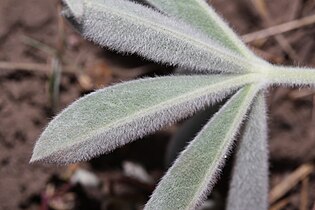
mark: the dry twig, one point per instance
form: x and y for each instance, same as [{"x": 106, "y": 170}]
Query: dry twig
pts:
[
  {"x": 25, "y": 66},
  {"x": 280, "y": 205},
  {"x": 261, "y": 7},
  {"x": 289, "y": 182},
  {"x": 278, "y": 29},
  {"x": 304, "y": 193}
]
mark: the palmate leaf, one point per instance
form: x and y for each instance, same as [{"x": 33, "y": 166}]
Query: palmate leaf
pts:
[
  {"x": 194, "y": 172},
  {"x": 200, "y": 15},
  {"x": 130, "y": 27},
  {"x": 114, "y": 116},
  {"x": 187, "y": 34},
  {"x": 249, "y": 185}
]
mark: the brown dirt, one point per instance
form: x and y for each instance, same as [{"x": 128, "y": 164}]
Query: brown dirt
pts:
[{"x": 25, "y": 108}]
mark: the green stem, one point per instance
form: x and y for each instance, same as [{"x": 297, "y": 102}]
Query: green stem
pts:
[{"x": 291, "y": 76}]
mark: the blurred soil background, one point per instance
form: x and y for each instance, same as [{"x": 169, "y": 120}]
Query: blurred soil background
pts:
[{"x": 36, "y": 45}]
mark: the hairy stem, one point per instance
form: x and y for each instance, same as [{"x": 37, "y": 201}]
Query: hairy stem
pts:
[{"x": 291, "y": 76}]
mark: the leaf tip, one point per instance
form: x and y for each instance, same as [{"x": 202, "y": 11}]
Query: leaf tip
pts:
[
  {"x": 36, "y": 156},
  {"x": 43, "y": 154}
]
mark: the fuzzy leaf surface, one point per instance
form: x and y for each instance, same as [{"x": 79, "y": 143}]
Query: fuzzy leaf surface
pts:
[
  {"x": 76, "y": 7},
  {"x": 249, "y": 184},
  {"x": 114, "y": 116},
  {"x": 200, "y": 15},
  {"x": 194, "y": 173},
  {"x": 129, "y": 27}
]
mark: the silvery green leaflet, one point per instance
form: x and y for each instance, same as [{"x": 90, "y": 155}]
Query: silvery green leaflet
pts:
[{"x": 187, "y": 34}]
